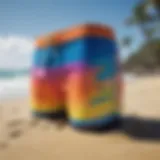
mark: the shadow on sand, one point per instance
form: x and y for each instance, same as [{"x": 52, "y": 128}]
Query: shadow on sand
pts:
[
  {"x": 134, "y": 127},
  {"x": 141, "y": 128}
]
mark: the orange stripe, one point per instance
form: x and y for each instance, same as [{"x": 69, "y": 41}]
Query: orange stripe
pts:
[{"x": 74, "y": 33}]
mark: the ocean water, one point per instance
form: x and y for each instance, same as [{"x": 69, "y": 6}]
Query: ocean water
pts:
[
  {"x": 14, "y": 87},
  {"x": 18, "y": 85}
]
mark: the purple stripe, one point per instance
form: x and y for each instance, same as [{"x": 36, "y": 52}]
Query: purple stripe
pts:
[
  {"x": 76, "y": 66},
  {"x": 47, "y": 73},
  {"x": 70, "y": 67},
  {"x": 61, "y": 71}
]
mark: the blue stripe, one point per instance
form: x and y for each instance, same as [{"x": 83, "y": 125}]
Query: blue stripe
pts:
[
  {"x": 84, "y": 50},
  {"x": 109, "y": 68},
  {"x": 92, "y": 51},
  {"x": 87, "y": 49},
  {"x": 103, "y": 121},
  {"x": 47, "y": 58}
]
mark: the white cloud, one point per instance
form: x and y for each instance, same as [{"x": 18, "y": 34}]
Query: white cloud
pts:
[{"x": 15, "y": 52}]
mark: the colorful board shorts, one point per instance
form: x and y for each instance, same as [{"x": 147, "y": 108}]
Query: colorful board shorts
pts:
[{"x": 78, "y": 71}]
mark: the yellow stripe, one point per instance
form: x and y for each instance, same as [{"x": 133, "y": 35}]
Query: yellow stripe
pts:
[
  {"x": 46, "y": 106},
  {"x": 46, "y": 109},
  {"x": 92, "y": 112},
  {"x": 48, "y": 103},
  {"x": 104, "y": 88}
]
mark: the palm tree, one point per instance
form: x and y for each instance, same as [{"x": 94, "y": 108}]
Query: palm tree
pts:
[
  {"x": 156, "y": 4},
  {"x": 141, "y": 18},
  {"x": 155, "y": 7}
]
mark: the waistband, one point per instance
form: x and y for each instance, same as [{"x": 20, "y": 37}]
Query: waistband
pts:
[{"x": 80, "y": 31}]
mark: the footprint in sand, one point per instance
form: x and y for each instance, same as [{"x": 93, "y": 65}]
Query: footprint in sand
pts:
[
  {"x": 15, "y": 134},
  {"x": 3, "y": 145},
  {"x": 15, "y": 123},
  {"x": 15, "y": 128}
]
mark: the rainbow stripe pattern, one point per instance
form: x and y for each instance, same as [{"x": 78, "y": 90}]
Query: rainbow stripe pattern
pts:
[{"x": 77, "y": 71}]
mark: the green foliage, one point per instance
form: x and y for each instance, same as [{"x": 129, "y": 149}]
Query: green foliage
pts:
[
  {"x": 156, "y": 4},
  {"x": 147, "y": 58},
  {"x": 141, "y": 18}
]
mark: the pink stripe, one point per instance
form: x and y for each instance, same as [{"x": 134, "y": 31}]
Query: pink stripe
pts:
[{"x": 58, "y": 72}]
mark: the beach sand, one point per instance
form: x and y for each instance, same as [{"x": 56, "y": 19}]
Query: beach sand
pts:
[{"x": 139, "y": 138}]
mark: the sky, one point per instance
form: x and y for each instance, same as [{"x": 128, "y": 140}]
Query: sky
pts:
[{"x": 21, "y": 21}]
